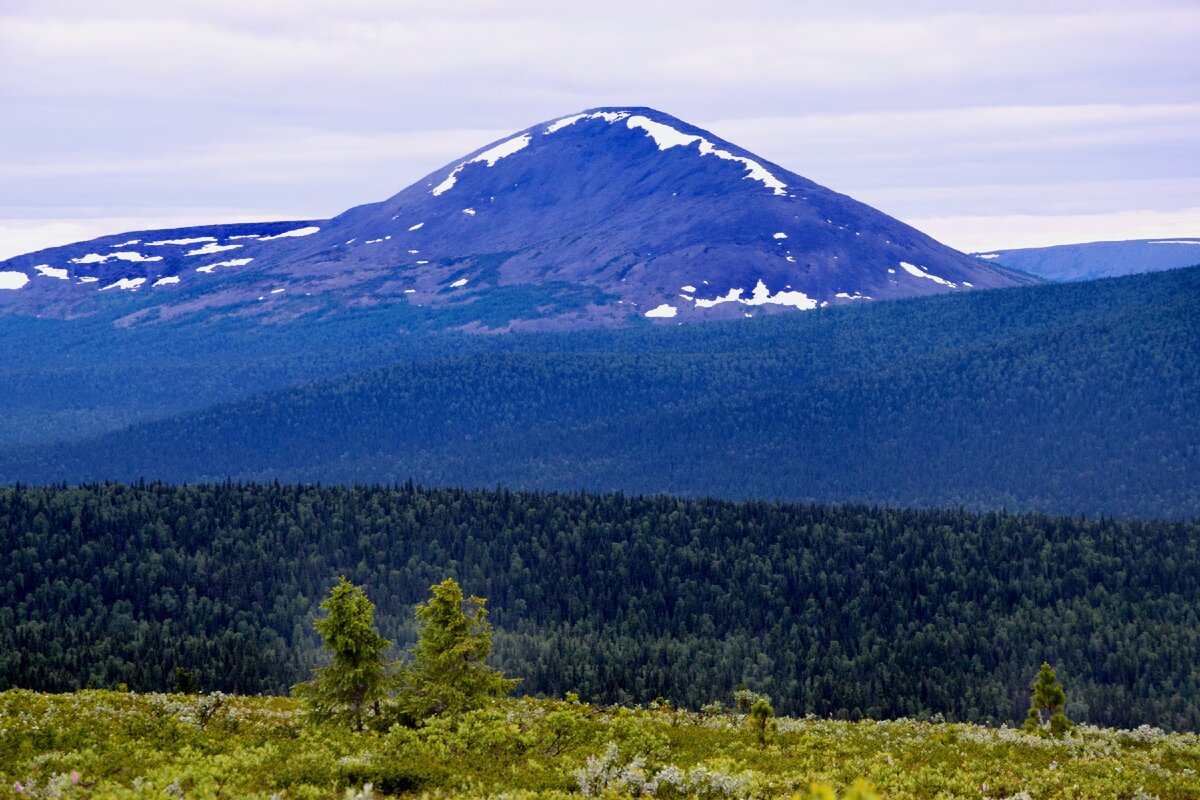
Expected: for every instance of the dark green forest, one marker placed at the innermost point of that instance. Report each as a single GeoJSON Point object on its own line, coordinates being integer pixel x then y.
{"type": "Point", "coordinates": [1061, 399]}
{"type": "Point", "coordinates": [845, 610]}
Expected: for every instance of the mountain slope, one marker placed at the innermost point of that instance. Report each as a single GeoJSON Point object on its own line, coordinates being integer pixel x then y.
{"type": "Point", "coordinates": [610, 214]}
{"type": "Point", "coordinates": [1075, 398]}
{"type": "Point", "coordinates": [1081, 262]}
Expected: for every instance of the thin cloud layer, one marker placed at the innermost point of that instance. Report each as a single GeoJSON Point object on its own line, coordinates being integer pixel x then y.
{"type": "Point", "coordinates": [307, 108]}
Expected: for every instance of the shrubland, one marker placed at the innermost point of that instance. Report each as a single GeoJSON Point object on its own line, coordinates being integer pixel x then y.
{"type": "Point", "coordinates": [126, 745]}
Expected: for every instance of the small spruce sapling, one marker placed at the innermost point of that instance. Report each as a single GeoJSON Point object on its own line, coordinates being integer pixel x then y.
{"type": "Point", "coordinates": [357, 680]}
{"type": "Point", "coordinates": [1047, 707]}
{"type": "Point", "coordinates": [449, 671]}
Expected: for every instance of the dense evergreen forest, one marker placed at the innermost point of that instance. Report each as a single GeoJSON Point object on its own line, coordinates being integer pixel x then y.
{"type": "Point", "coordinates": [849, 610]}
{"type": "Point", "coordinates": [1065, 399]}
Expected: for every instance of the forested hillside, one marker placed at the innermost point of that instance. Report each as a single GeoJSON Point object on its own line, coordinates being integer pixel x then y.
{"type": "Point", "coordinates": [851, 611]}
{"type": "Point", "coordinates": [1063, 399]}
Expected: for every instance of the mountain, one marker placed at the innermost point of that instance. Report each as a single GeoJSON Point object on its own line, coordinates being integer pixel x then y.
{"type": "Point", "coordinates": [1066, 398]}
{"type": "Point", "coordinates": [1081, 262]}
{"type": "Point", "coordinates": [596, 218]}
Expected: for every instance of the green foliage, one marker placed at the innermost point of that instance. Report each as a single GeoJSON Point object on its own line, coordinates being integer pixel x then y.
{"type": "Point", "coordinates": [762, 721]}
{"type": "Point", "coordinates": [128, 746]}
{"type": "Point", "coordinates": [1047, 707]}
{"type": "Point", "coordinates": [848, 611]}
{"type": "Point", "coordinates": [184, 682]}
{"type": "Point", "coordinates": [449, 671]}
{"type": "Point", "coordinates": [357, 680]}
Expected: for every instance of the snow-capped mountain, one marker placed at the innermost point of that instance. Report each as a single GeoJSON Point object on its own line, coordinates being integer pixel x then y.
{"type": "Point", "coordinates": [629, 211]}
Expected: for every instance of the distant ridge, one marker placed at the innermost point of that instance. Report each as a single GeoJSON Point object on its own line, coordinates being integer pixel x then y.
{"type": "Point", "coordinates": [1090, 260]}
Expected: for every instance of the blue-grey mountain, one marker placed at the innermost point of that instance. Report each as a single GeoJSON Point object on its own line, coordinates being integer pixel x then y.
{"type": "Point", "coordinates": [604, 216]}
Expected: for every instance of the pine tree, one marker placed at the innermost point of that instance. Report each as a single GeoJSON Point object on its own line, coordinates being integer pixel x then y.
{"type": "Point", "coordinates": [1048, 704]}
{"type": "Point", "coordinates": [357, 680]}
{"type": "Point", "coordinates": [449, 672]}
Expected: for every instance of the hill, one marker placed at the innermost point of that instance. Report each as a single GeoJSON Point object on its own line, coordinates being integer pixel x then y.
{"type": "Point", "coordinates": [851, 611]}
{"type": "Point", "coordinates": [1082, 262]}
{"type": "Point", "coordinates": [598, 218]}
{"type": "Point", "coordinates": [1074, 398]}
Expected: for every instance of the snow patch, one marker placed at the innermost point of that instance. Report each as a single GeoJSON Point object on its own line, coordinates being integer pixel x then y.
{"type": "Point", "coordinates": [458, 283]}
{"type": "Point", "coordinates": [987, 255]}
{"type": "Point", "coordinates": [855, 296]}
{"type": "Point", "coordinates": [96, 258]}
{"type": "Point", "coordinates": [663, 312]}
{"type": "Point", "coordinates": [88, 279]}
{"type": "Point", "coordinates": [470, 212]}
{"type": "Point", "coordinates": [491, 156]}
{"type": "Point", "coordinates": [246, 236]}
{"type": "Point", "coordinates": [126, 244]}
{"type": "Point", "coordinates": [196, 240]}
{"type": "Point", "coordinates": [167, 281]}
{"type": "Point", "coordinates": [13, 280]}
{"type": "Point", "coordinates": [211, 248]}
{"type": "Point", "coordinates": [761, 297]}
{"type": "Point", "coordinates": [277, 291]}
{"type": "Point", "coordinates": [417, 227]}
{"type": "Point", "coordinates": [667, 137]}
{"type": "Point", "coordinates": [1176, 241]}
{"type": "Point", "coordinates": [912, 270]}
{"type": "Point", "coordinates": [308, 230]}
{"type": "Point", "coordinates": [373, 241]}
{"type": "Point", "coordinates": [781, 235]}
{"type": "Point", "coordinates": [689, 289]}
{"type": "Point", "coordinates": [125, 284]}
{"type": "Point", "coordinates": [51, 272]}
{"type": "Point", "coordinates": [233, 262]}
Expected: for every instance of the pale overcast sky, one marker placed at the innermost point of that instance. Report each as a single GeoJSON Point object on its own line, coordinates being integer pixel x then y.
{"type": "Point", "coordinates": [986, 124]}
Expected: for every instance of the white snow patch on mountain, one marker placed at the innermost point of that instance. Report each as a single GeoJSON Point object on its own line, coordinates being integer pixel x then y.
{"type": "Point", "coordinates": [195, 240]}
{"type": "Point", "coordinates": [855, 296]}
{"type": "Point", "coordinates": [457, 283]}
{"type": "Point", "coordinates": [96, 258]}
{"type": "Point", "coordinates": [125, 284]}
{"type": "Point", "coordinates": [608, 116]}
{"type": "Point", "coordinates": [987, 255]}
{"type": "Point", "coordinates": [88, 279]}
{"type": "Point", "coordinates": [13, 280]}
{"type": "Point", "coordinates": [233, 262]}
{"type": "Point", "coordinates": [912, 270]}
{"type": "Point", "coordinates": [246, 236]}
{"type": "Point", "coordinates": [470, 212]}
{"type": "Point", "coordinates": [762, 296]}
{"type": "Point", "coordinates": [51, 272]}
{"type": "Point", "coordinates": [308, 230]}
{"type": "Point", "coordinates": [664, 311]}
{"type": "Point", "coordinates": [1176, 241]}
{"type": "Point", "coordinates": [126, 244]}
{"type": "Point", "coordinates": [167, 281]}
{"type": "Point", "coordinates": [667, 137]}
{"type": "Point", "coordinates": [781, 235]}
{"type": "Point", "coordinates": [211, 248]}
{"type": "Point", "coordinates": [491, 156]}
{"type": "Point", "coordinates": [417, 227]}
{"type": "Point", "coordinates": [689, 289]}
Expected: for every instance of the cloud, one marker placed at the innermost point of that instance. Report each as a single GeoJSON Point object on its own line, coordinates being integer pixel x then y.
{"type": "Point", "coordinates": [140, 104]}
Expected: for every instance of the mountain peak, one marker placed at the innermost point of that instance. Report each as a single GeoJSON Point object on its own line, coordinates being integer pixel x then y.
{"type": "Point", "coordinates": [597, 217]}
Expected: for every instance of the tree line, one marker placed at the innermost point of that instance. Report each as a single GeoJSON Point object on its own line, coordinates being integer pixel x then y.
{"type": "Point", "coordinates": [854, 611]}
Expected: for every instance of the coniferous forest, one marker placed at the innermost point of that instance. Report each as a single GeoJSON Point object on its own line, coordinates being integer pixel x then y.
{"type": "Point", "coordinates": [850, 611]}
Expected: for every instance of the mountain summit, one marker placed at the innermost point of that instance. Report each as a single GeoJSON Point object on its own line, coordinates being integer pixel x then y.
{"type": "Point", "coordinates": [594, 218]}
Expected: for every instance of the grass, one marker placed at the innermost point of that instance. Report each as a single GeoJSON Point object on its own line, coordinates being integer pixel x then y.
{"type": "Point", "coordinates": [105, 744]}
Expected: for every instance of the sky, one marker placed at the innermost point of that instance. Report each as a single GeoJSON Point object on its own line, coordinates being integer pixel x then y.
{"type": "Point", "coordinates": [987, 125]}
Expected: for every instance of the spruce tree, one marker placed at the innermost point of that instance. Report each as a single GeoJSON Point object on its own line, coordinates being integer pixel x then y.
{"type": "Point", "coordinates": [357, 680]}
{"type": "Point", "coordinates": [449, 673]}
{"type": "Point", "coordinates": [1048, 705]}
